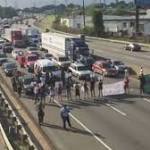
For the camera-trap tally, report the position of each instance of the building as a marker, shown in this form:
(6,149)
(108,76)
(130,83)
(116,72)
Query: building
(112,23)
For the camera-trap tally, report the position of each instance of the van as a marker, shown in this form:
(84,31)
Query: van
(46,65)
(62,61)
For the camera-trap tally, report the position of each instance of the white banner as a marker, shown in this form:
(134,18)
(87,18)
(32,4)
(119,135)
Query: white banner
(113,89)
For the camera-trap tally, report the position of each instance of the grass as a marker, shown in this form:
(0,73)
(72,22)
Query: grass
(46,22)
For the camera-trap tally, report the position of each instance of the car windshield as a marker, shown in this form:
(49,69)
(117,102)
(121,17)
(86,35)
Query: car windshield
(82,68)
(50,68)
(106,65)
(28,80)
(33,49)
(3,56)
(7,44)
(118,63)
(10,65)
(32,58)
(63,59)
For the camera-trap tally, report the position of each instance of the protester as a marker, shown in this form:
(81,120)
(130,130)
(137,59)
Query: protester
(64,113)
(51,94)
(100,88)
(126,85)
(86,89)
(59,91)
(142,83)
(77,90)
(68,90)
(92,87)
(36,93)
(41,115)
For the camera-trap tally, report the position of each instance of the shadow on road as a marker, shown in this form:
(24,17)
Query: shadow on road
(72,129)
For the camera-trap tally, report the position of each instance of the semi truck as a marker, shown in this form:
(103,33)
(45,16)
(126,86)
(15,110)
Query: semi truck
(32,35)
(70,46)
(15,37)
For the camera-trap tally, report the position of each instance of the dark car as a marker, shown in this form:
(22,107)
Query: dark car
(9,68)
(3,58)
(7,47)
(133,47)
(27,83)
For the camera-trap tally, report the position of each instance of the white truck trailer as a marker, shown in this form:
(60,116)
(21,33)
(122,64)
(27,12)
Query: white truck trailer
(64,45)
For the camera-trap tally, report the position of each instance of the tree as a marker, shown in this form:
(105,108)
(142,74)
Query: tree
(98,22)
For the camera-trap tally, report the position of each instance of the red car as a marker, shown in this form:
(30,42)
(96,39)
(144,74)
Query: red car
(27,60)
(104,68)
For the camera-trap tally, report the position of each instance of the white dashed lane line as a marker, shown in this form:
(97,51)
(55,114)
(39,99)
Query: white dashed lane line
(116,109)
(146,99)
(86,128)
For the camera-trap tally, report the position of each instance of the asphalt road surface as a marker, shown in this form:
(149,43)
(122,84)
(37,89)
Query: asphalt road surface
(116,123)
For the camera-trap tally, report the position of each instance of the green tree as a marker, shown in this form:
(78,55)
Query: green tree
(98,22)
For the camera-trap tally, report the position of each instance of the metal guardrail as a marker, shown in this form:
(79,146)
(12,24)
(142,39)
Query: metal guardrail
(16,124)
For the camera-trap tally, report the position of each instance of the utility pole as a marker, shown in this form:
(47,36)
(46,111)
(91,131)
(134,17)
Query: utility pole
(83,14)
(136,16)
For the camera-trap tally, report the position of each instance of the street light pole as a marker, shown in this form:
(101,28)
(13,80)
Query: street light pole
(83,14)
(136,16)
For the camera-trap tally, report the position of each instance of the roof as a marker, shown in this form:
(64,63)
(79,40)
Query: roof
(78,64)
(45,62)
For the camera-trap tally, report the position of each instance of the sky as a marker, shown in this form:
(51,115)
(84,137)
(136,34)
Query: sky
(38,3)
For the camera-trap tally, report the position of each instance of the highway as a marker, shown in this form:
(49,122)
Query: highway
(116,51)
(116,123)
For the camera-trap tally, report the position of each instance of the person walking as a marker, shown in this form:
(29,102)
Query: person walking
(68,90)
(64,113)
(77,90)
(142,83)
(41,115)
(100,88)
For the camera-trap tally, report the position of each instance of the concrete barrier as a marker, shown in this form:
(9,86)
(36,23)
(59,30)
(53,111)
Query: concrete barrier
(9,146)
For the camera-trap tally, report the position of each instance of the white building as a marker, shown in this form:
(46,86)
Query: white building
(112,23)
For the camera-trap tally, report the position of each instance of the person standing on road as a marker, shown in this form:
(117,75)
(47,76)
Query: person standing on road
(92,87)
(36,93)
(126,85)
(86,89)
(59,91)
(68,90)
(19,89)
(77,90)
(142,83)
(64,113)
(51,94)
(100,88)
(41,115)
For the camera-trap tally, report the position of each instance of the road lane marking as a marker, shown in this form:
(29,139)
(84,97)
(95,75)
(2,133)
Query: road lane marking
(117,110)
(86,128)
(147,100)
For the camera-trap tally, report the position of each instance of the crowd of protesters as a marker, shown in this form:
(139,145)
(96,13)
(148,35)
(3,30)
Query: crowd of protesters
(48,88)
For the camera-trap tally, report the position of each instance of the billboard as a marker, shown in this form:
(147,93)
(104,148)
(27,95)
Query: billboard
(143,3)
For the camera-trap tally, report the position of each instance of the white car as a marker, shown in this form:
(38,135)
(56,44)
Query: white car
(62,61)
(80,71)
(16,53)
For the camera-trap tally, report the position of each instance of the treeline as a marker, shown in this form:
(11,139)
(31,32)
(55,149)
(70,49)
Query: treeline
(7,12)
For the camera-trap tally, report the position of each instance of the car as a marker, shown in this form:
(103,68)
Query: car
(7,48)
(15,53)
(26,82)
(80,71)
(133,47)
(104,68)
(9,68)
(62,61)
(87,61)
(34,50)
(119,66)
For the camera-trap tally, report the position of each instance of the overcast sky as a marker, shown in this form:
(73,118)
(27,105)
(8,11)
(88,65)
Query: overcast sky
(37,3)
